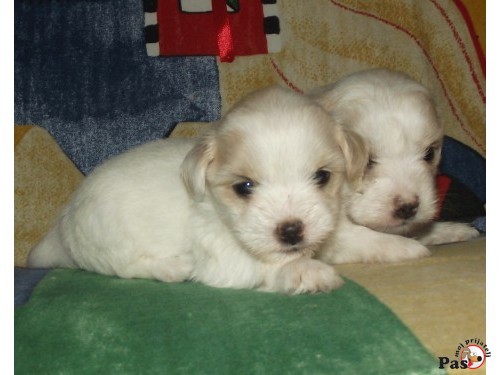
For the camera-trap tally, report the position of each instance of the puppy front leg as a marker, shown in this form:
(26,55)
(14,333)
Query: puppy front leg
(304,276)
(447,232)
(358,244)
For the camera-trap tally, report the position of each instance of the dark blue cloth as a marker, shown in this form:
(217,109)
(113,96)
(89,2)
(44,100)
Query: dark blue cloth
(25,279)
(480,224)
(465,165)
(82,72)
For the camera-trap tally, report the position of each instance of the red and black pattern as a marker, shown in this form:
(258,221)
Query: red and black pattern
(224,28)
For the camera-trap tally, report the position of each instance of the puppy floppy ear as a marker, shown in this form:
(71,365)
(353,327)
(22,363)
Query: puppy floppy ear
(195,164)
(355,152)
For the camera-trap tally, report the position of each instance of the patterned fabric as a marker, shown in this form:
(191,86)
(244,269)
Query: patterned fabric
(44,179)
(324,40)
(215,28)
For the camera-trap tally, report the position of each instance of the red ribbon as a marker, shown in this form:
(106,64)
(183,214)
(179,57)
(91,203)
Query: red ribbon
(225,44)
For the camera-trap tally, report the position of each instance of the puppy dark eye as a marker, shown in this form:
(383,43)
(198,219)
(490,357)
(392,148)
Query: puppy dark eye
(430,154)
(370,163)
(321,177)
(244,189)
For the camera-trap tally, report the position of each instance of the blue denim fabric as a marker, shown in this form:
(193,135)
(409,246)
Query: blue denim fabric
(81,72)
(25,279)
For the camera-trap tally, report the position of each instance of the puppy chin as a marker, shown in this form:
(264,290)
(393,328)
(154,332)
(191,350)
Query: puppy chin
(381,215)
(280,254)
(400,227)
(387,223)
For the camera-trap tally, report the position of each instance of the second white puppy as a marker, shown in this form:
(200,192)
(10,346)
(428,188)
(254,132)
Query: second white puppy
(396,196)
(245,206)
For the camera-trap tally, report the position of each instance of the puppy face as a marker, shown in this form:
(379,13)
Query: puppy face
(397,119)
(273,168)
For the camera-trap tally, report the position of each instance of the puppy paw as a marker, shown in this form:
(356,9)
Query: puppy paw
(358,244)
(307,276)
(448,232)
(397,249)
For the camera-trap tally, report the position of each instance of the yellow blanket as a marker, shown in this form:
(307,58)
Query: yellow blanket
(324,40)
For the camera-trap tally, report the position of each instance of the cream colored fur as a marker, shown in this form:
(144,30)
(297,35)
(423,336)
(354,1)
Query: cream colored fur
(388,214)
(247,205)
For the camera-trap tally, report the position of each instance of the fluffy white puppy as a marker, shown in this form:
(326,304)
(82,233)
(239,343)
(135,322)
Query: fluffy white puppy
(396,196)
(245,206)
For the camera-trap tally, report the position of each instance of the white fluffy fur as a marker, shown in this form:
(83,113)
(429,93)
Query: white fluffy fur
(388,214)
(168,210)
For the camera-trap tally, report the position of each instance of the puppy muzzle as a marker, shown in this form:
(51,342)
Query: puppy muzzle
(406,211)
(290,232)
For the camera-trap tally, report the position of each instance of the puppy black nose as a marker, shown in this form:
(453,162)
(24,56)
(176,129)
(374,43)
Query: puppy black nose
(406,211)
(290,232)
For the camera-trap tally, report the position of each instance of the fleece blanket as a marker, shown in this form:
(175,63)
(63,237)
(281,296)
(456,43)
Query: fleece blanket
(387,319)
(97,324)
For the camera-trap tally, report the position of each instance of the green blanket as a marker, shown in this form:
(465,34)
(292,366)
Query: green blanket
(82,323)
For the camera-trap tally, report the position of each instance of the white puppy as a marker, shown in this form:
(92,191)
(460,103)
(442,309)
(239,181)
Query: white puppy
(397,195)
(245,206)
